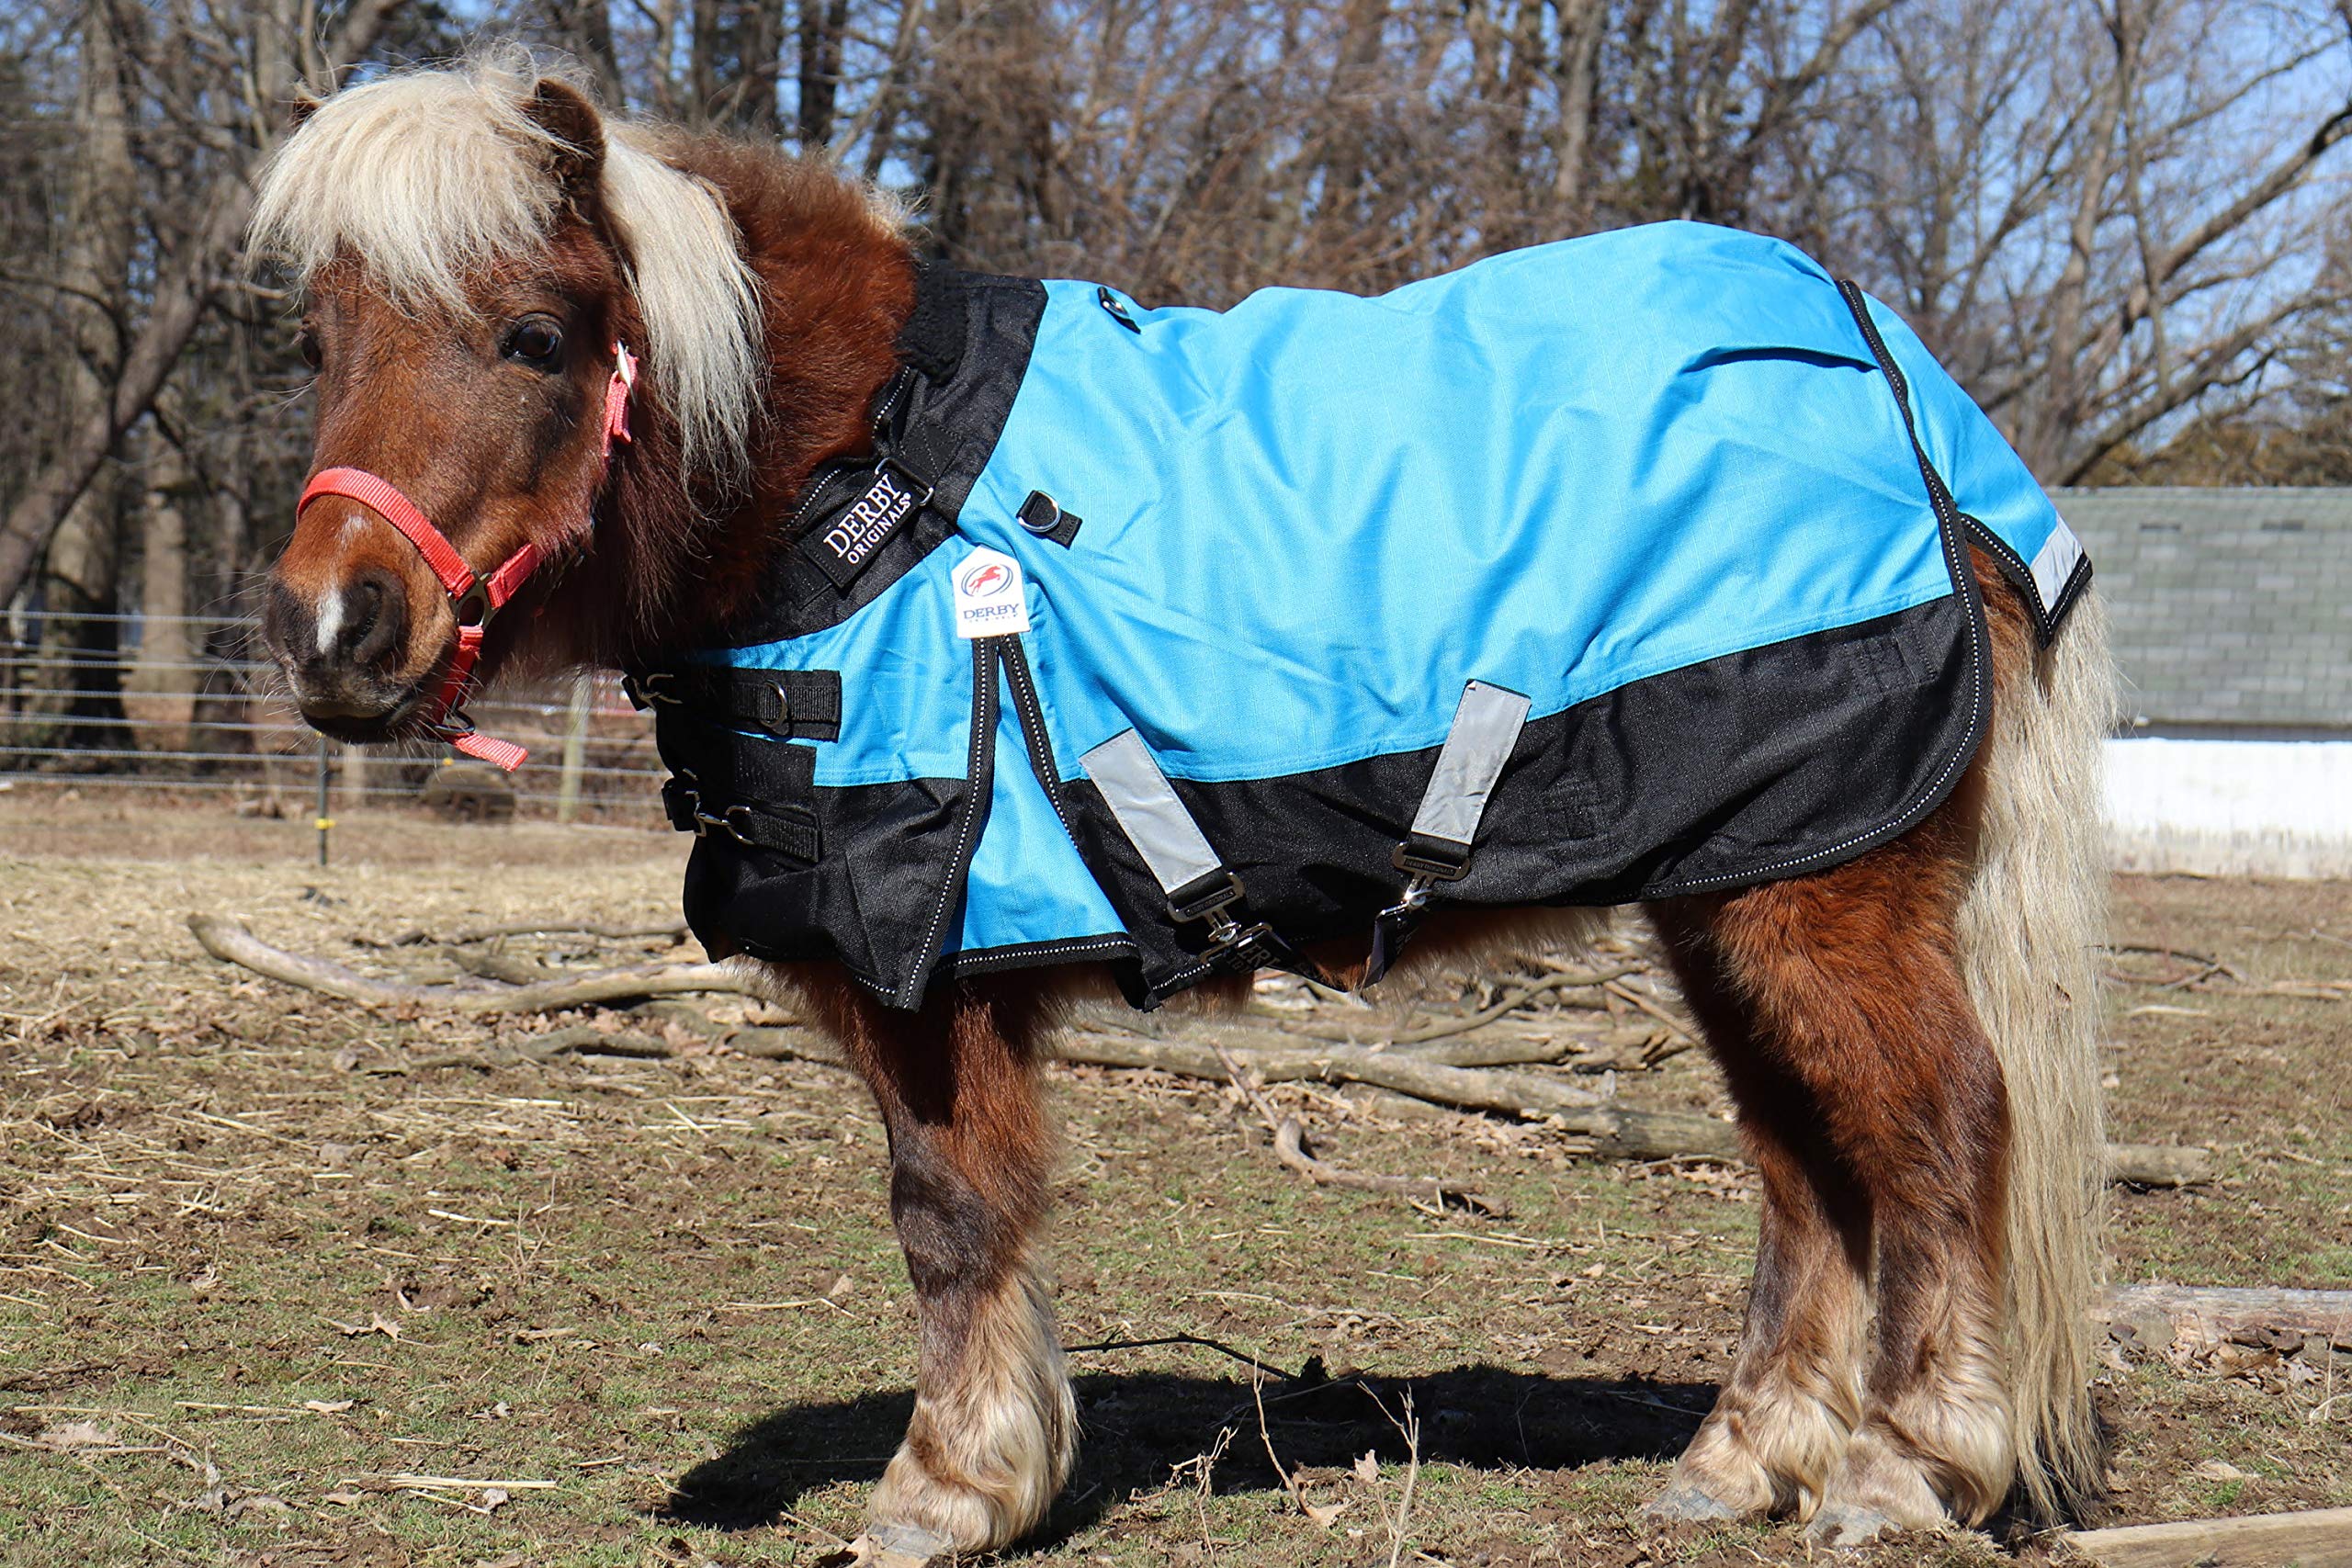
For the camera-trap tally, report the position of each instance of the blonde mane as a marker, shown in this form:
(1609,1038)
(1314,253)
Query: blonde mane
(426,175)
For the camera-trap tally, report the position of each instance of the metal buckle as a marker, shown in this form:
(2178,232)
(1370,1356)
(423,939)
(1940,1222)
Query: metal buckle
(727,821)
(1209,906)
(733,822)
(1423,875)
(1424,869)
(473,607)
(782,723)
(912,482)
(644,690)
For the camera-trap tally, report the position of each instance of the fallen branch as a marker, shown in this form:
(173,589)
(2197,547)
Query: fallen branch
(231,941)
(2206,1315)
(418,937)
(1511,1001)
(1503,1053)
(2321,1537)
(1627,994)
(1278,1060)
(580,1041)
(1290,1147)
(1617,1132)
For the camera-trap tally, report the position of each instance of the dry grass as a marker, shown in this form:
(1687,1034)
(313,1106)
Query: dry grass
(271,1292)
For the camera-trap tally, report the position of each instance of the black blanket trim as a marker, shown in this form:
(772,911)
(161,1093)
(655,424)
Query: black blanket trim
(955,421)
(2047,618)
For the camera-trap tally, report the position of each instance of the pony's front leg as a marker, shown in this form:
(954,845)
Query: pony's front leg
(994,1428)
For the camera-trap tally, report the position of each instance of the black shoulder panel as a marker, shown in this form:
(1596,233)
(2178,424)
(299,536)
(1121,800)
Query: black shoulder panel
(958,418)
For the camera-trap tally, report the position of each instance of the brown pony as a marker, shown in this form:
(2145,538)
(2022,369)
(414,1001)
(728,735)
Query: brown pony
(1909,1036)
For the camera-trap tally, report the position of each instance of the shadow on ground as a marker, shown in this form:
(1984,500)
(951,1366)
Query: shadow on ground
(1137,1428)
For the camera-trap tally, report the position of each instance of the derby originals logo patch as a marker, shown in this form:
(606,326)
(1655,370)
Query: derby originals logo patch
(990,598)
(844,548)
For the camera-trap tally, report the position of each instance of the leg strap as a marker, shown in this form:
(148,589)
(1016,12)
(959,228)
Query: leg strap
(1486,725)
(1194,881)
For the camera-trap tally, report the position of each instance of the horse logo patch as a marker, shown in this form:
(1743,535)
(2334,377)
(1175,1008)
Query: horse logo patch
(991,600)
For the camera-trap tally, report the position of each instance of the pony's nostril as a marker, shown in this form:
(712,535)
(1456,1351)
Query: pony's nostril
(373,614)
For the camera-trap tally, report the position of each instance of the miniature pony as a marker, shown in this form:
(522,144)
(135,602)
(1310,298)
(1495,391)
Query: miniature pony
(576,378)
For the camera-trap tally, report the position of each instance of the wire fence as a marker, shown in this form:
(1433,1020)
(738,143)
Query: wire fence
(188,705)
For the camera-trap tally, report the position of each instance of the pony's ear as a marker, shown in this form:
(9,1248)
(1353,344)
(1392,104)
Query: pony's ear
(302,108)
(560,109)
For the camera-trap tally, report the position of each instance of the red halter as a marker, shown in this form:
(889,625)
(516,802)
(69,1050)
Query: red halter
(474,601)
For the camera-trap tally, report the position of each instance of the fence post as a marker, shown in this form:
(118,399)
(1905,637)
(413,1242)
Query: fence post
(355,777)
(324,820)
(575,750)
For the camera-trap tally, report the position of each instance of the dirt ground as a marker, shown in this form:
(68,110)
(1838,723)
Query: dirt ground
(276,1289)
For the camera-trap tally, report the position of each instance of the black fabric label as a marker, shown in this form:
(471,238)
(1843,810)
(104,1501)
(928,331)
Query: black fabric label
(842,549)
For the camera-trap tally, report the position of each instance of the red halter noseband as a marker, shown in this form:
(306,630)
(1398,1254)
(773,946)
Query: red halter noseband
(473,599)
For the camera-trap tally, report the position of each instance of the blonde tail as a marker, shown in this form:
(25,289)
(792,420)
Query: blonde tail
(2028,931)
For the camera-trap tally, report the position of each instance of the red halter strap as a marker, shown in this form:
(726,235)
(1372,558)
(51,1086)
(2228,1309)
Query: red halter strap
(473,601)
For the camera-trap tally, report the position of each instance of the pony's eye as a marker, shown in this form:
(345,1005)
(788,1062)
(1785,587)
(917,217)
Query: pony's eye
(306,343)
(535,341)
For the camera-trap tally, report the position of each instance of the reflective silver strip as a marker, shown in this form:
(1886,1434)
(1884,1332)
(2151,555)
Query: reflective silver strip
(2054,563)
(1486,727)
(1155,821)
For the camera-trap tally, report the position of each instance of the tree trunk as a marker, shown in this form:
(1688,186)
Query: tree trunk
(183,291)
(76,644)
(158,693)
(822,23)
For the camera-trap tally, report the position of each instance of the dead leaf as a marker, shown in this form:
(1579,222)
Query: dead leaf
(257,1503)
(1368,1469)
(351,1499)
(1325,1515)
(377,1323)
(64,1435)
(492,1498)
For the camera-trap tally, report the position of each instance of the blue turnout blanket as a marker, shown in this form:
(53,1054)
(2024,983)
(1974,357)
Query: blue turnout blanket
(1612,569)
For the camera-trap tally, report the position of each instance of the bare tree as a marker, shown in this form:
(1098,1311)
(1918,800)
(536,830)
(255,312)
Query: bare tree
(2103,213)
(239,132)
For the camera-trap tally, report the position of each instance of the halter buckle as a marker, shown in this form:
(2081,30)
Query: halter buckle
(473,607)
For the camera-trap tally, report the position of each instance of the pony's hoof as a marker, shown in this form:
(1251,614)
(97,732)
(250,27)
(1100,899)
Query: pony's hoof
(1844,1526)
(1685,1503)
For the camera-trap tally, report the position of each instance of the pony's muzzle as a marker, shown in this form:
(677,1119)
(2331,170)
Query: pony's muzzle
(342,650)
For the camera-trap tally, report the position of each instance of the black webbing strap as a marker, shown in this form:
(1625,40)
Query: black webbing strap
(791,704)
(761,794)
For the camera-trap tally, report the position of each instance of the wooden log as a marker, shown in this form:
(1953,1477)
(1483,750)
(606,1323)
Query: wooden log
(231,941)
(1281,1060)
(2207,1315)
(2320,1538)
(1618,1131)
(2159,1165)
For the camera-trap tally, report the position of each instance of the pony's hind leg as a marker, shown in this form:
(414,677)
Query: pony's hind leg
(1853,994)
(994,1428)
(1794,1396)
